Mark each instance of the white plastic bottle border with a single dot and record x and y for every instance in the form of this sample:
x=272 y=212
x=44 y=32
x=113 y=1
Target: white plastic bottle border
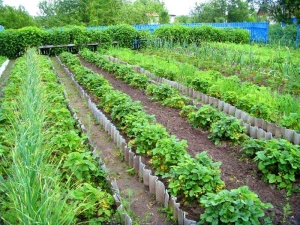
x=3 y=67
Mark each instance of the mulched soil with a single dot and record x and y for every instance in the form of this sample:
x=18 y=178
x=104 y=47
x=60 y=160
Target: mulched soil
x=236 y=172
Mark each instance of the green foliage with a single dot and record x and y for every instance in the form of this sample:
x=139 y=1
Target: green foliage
x=15 y=18
x=186 y=110
x=124 y=34
x=135 y=122
x=174 y=33
x=204 y=117
x=198 y=34
x=167 y=95
x=85 y=168
x=193 y=177
x=291 y=121
x=238 y=206
x=227 y=129
x=93 y=201
x=205 y=33
x=279 y=162
x=283 y=36
x=145 y=141
x=167 y=153
x=120 y=111
x=251 y=146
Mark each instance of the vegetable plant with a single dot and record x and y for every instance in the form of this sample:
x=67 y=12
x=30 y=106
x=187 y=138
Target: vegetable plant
x=193 y=177
x=237 y=206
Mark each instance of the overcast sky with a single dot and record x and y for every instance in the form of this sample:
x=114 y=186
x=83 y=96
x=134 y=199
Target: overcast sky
x=177 y=7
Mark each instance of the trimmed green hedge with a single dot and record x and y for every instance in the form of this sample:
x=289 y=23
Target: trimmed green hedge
x=13 y=43
x=198 y=34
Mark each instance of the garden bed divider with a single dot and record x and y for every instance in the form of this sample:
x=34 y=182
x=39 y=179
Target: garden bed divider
x=145 y=175
x=259 y=128
x=3 y=67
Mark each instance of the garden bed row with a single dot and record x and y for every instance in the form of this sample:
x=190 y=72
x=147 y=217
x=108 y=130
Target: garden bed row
x=46 y=147
x=258 y=101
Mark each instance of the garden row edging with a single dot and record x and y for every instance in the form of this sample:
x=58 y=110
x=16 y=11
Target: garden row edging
x=256 y=127
x=113 y=184
x=3 y=67
x=145 y=175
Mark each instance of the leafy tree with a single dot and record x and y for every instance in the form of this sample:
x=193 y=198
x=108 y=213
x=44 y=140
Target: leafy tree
x=183 y=19
x=15 y=18
x=280 y=10
x=136 y=12
x=79 y=12
x=222 y=11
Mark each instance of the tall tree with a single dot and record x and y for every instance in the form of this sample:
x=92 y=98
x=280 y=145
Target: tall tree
x=221 y=11
x=280 y=10
x=15 y=18
x=79 y=12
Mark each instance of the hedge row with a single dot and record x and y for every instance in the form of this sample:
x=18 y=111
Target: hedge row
x=13 y=43
x=183 y=34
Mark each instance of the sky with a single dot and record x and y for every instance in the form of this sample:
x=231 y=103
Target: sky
x=176 y=7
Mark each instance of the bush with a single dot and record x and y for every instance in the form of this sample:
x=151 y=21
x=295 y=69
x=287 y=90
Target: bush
x=124 y=34
x=173 y=34
x=238 y=206
x=284 y=36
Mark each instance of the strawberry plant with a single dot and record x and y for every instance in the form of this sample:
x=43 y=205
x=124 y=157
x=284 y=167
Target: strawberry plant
x=83 y=166
x=134 y=123
x=227 y=129
x=111 y=99
x=187 y=109
x=127 y=107
x=161 y=92
x=146 y=140
x=167 y=153
x=204 y=117
x=193 y=177
x=251 y=146
x=92 y=201
x=139 y=81
x=177 y=102
x=238 y=206
x=279 y=161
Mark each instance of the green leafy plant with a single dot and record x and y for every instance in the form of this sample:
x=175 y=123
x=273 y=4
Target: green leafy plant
x=227 y=129
x=204 y=117
x=279 y=162
x=84 y=167
x=146 y=140
x=93 y=201
x=177 y=102
x=187 y=109
x=251 y=146
x=193 y=177
x=167 y=153
x=238 y=206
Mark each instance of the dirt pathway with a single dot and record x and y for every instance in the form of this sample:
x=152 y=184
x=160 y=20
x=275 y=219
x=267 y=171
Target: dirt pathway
x=141 y=205
x=235 y=172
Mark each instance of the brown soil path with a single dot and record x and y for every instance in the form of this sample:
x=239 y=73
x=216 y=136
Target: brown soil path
x=141 y=205
x=235 y=171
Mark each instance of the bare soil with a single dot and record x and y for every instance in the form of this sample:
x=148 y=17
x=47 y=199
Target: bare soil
x=236 y=171
x=140 y=204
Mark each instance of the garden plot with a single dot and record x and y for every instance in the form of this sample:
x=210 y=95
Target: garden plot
x=231 y=181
